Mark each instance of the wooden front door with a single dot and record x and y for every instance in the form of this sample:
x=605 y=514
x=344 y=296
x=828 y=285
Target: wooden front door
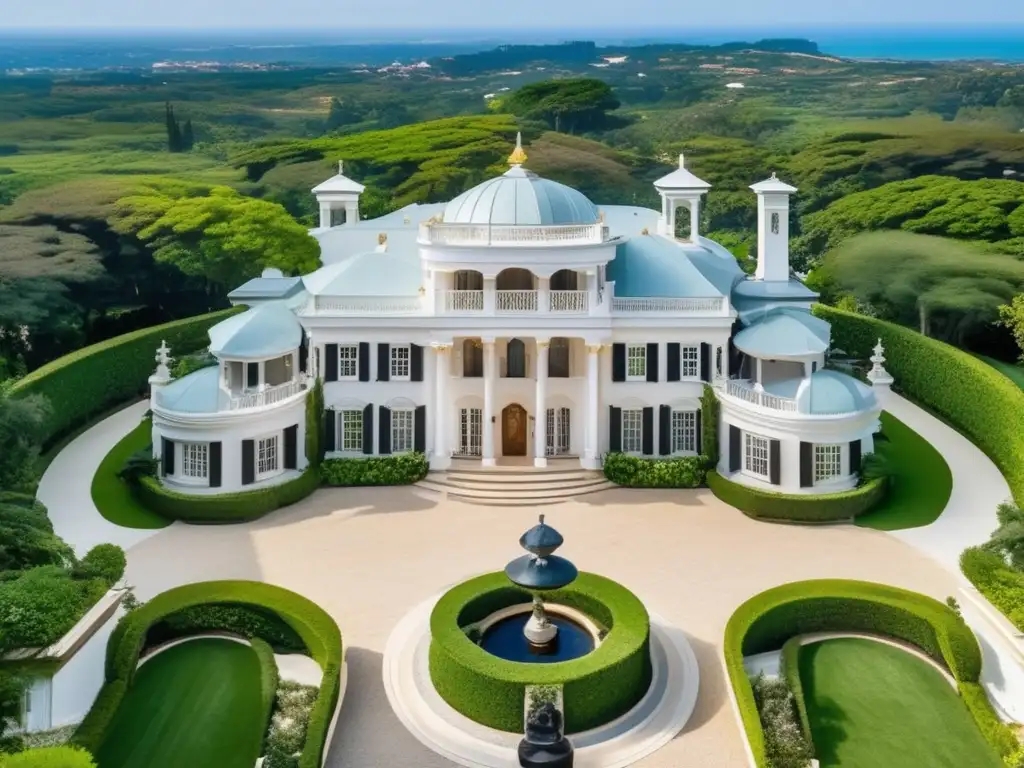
x=513 y=430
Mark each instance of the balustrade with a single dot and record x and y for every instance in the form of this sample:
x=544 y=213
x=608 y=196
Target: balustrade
x=514 y=302
x=464 y=301
x=568 y=301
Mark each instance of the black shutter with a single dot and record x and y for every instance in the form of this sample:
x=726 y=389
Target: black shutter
x=291 y=447
x=215 y=465
x=705 y=362
x=648 y=435
x=167 y=456
x=614 y=429
x=618 y=362
x=700 y=434
x=419 y=440
x=252 y=374
x=384 y=431
x=330 y=362
x=364 y=361
x=806 y=465
x=368 y=429
x=383 y=362
x=415 y=362
x=665 y=426
x=248 y=462
x=673 y=361
x=775 y=462
x=652 y=362
x=854 y=456
x=735 y=448
x=814 y=366
x=330 y=430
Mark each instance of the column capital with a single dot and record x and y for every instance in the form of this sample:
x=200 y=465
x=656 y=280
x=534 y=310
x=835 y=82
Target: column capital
x=489 y=340
x=442 y=347
x=543 y=343
x=595 y=348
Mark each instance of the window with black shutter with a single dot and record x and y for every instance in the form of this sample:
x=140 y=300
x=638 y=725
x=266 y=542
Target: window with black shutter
x=652 y=362
x=291 y=447
x=735 y=448
x=330 y=430
x=167 y=456
x=419 y=441
x=775 y=462
x=672 y=361
x=384 y=431
x=618 y=362
x=248 y=462
x=368 y=429
x=705 y=361
x=700 y=434
x=215 y=465
x=383 y=362
x=648 y=436
x=615 y=428
x=665 y=426
x=364 y=361
x=415 y=362
x=330 y=362
x=806 y=465
x=855 y=456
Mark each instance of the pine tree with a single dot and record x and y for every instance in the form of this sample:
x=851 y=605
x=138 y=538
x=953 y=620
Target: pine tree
x=173 y=130
x=188 y=138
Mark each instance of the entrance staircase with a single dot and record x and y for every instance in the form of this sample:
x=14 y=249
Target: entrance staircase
x=515 y=483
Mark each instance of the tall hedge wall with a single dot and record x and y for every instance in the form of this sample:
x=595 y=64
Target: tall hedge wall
x=978 y=400
x=797 y=507
x=316 y=628
x=95 y=378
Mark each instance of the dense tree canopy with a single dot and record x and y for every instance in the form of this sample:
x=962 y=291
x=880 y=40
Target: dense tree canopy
x=21 y=420
x=1011 y=316
x=572 y=105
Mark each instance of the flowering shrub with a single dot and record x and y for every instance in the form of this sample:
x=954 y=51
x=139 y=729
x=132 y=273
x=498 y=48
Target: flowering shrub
x=784 y=739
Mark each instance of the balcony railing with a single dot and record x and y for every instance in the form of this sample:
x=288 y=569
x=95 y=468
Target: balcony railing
x=464 y=301
x=515 y=302
x=568 y=301
x=269 y=396
x=624 y=304
x=368 y=305
x=744 y=390
x=508 y=235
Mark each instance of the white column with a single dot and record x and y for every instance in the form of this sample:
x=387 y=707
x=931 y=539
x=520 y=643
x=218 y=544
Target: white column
x=540 y=422
x=441 y=456
x=671 y=218
x=489 y=297
x=591 y=457
x=757 y=383
x=489 y=374
x=543 y=292
x=325 y=215
x=694 y=219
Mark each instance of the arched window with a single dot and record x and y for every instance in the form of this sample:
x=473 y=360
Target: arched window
x=558 y=358
x=564 y=280
x=468 y=280
x=514 y=279
x=472 y=358
x=516 y=359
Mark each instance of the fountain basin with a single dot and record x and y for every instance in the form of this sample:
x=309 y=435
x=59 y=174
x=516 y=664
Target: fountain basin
x=501 y=634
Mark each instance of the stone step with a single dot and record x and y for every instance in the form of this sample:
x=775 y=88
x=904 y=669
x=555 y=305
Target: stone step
x=554 y=465
x=520 y=495
x=510 y=486
x=508 y=478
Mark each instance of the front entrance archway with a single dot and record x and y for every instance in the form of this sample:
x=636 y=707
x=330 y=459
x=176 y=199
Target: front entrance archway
x=513 y=430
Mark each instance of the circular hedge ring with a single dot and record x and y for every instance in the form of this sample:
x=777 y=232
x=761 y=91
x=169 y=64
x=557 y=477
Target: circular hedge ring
x=597 y=688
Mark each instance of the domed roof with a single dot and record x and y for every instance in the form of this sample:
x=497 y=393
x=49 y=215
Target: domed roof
x=266 y=331
x=521 y=197
x=785 y=333
x=834 y=392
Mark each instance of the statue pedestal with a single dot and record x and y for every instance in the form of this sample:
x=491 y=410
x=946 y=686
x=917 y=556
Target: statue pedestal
x=540 y=631
x=557 y=755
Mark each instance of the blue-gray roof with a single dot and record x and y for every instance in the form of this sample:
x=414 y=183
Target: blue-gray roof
x=831 y=392
x=653 y=266
x=268 y=330
x=784 y=333
x=521 y=197
x=378 y=273
x=199 y=392
x=754 y=299
x=339 y=243
x=267 y=288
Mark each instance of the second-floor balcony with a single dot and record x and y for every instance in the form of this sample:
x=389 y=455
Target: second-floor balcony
x=824 y=393
x=237 y=401
x=517 y=302
x=512 y=236
x=746 y=391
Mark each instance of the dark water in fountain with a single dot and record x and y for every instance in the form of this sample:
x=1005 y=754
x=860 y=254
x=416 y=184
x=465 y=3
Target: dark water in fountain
x=505 y=640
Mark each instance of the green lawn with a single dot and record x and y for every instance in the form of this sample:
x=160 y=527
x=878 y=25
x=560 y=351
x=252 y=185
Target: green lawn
x=875 y=706
x=1014 y=373
x=920 y=484
x=112 y=496
x=196 y=705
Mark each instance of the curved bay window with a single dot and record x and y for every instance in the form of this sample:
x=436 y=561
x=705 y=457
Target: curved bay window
x=516 y=359
x=468 y=280
x=558 y=358
x=472 y=359
x=564 y=280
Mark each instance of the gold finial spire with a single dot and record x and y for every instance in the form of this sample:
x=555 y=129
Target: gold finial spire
x=518 y=156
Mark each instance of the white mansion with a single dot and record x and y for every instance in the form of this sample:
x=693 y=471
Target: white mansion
x=520 y=319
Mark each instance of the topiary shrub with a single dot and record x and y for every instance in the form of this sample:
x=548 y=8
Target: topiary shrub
x=637 y=472
x=49 y=757
x=269 y=678
x=789 y=669
x=402 y=469
x=798 y=507
x=104 y=561
x=245 y=620
x=315 y=423
x=710 y=410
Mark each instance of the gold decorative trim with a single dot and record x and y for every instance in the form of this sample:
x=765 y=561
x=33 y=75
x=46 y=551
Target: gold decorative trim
x=518 y=156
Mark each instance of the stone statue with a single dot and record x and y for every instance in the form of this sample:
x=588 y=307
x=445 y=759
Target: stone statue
x=545 y=744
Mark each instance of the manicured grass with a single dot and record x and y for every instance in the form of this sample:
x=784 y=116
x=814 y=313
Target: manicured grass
x=1014 y=373
x=112 y=496
x=920 y=485
x=876 y=706
x=196 y=705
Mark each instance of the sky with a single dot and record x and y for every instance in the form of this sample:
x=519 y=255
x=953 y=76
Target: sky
x=508 y=15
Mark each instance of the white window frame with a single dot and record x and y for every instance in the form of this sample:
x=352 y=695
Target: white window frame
x=757 y=449
x=558 y=438
x=403 y=430
x=633 y=430
x=278 y=445
x=200 y=459
x=348 y=358
x=471 y=431
x=354 y=441
x=683 y=431
x=689 y=361
x=399 y=359
x=828 y=462
x=636 y=353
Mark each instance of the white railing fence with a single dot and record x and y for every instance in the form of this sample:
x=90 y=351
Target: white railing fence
x=515 y=301
x=655 y=304
x=484 y=234
x=368 y=305
x=269 y=396
x=568 y=301
x=744 y=390
x=464 y=301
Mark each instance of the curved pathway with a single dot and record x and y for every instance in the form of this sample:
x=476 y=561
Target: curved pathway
x=368 y=556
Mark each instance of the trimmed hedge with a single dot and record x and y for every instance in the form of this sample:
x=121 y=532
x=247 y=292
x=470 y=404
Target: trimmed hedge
x=1001 y=584
x=598 y=687
x=317 y=629
x=799 y=508
x=789 y=668
x=95 y=378
x=224 y=507
x=247 y=621
x=638 y=472
x=403 y=469
x=269 y=679
x=766 y=621
x=976 y=398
